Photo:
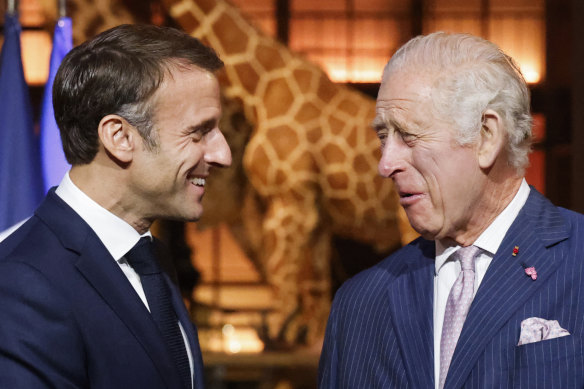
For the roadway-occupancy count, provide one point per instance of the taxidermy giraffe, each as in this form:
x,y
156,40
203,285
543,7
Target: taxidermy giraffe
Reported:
x,y
311,159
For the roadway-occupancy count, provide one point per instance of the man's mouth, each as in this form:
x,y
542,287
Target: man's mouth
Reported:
x,y
198,181
408,198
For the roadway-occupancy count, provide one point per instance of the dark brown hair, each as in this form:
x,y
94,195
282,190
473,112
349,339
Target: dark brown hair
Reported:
x,y
118,72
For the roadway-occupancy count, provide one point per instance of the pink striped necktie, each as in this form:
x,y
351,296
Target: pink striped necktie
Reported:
x,y
459,300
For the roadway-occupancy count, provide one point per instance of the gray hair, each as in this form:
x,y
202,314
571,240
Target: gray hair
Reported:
x,y
140,115
471,76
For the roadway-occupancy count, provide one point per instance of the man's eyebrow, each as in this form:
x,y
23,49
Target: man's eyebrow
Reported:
x,y
378,124
206,125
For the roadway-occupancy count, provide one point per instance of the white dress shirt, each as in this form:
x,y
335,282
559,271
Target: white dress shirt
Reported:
x,y
448,269
117,236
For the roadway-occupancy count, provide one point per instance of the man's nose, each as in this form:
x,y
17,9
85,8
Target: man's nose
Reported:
x,y
392,158
217,151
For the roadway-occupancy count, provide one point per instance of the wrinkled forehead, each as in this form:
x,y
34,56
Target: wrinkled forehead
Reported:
x,y
406,100
404,88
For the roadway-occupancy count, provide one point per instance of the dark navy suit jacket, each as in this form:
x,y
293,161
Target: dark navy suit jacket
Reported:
x,y
69,318
380,330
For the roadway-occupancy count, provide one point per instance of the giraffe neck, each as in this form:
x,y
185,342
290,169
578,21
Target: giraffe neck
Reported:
x,y
249,55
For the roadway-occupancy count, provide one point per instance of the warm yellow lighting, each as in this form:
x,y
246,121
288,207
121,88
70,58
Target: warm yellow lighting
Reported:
x,y
228,330
365,75
368,73
243,340
337,75
341,75
531,75
522,38
36,54
234,346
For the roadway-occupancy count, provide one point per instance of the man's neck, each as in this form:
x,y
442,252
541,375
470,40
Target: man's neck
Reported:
x,y
495,199
102,185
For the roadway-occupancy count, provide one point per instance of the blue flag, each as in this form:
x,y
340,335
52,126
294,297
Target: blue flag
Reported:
x,y
53,159
21,186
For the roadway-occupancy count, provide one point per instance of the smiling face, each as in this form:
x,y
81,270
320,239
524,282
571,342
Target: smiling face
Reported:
x,y
439,181
169,181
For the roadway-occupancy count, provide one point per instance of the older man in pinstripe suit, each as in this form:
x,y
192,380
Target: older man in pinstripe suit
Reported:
x,y
454,123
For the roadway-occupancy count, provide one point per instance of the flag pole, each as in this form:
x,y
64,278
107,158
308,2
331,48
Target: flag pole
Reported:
x,y
62,8
54,163
11,6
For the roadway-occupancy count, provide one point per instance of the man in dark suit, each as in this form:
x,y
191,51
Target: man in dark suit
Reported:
x,y
83,300
490,295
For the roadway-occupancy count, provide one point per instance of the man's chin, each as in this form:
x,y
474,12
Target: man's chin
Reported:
x,y
192,215
424,231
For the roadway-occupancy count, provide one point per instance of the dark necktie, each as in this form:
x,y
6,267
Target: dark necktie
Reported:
x,y
143,260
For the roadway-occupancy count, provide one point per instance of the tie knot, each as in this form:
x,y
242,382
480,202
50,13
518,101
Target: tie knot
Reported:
x,y
142,258
466,256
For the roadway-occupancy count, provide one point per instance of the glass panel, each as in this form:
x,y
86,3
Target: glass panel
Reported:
x,y
459,16
517,5
374,40
523,38
457,6
322,35
351,47
326,31
455,24
261,13
320,5
397,6
254,6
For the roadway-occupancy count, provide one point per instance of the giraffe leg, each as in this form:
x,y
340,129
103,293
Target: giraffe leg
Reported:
x,y
315,290
296,255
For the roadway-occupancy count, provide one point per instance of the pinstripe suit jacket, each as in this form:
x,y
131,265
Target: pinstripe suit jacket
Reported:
x,y
380,330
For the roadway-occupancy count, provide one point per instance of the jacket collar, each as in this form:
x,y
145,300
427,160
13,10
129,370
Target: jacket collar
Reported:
x,y
102,272
505,287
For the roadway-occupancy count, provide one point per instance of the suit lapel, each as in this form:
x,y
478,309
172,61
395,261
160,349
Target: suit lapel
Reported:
x,y
506,287
411,302
101,271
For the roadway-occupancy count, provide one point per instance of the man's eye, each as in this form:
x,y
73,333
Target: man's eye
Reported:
x,y
198,135
407,137
382,135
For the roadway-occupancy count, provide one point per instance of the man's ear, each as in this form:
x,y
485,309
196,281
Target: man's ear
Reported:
x,y
117,137
492,139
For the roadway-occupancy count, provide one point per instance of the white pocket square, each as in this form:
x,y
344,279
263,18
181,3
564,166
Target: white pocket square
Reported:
x,y
535,329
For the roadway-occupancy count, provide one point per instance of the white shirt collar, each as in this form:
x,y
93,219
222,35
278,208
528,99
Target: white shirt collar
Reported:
x,y
491,238
117,236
